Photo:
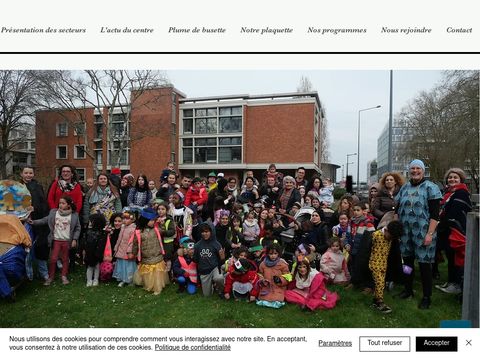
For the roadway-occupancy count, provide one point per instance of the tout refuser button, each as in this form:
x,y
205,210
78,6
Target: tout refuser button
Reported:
x,y
436,343
384,343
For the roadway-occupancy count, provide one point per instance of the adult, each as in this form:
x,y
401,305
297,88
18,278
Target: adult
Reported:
x,y
249,194
383,205
372,194
272,172
169,187
139,195
452,228
211,181
317,238
40,249
418,211
218,198
314,185
66,184
345,205
231,189
300,177
152,188
185,183
270,191
115,177
165,172
125,186
288,195
103,198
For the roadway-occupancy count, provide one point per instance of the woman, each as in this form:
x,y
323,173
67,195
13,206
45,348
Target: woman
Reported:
x,y
269,191
125,186
40,249
317,238
345,205
250,193
372,194
418,211
288,195
451,231
139,196
384,203
167,189
314,185
103,198
65,184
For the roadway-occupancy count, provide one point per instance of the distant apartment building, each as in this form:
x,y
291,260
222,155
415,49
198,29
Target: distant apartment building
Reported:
x,y
228,134
22,148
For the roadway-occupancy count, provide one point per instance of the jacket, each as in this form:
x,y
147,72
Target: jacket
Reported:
x,y
75,227
123,246
272,291
55,193
200,196
186,267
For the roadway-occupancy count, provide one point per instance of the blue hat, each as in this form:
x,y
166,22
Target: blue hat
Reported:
x,y
418,163
184,240
149,213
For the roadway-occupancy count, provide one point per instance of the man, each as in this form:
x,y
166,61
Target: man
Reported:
x,y
300,177
185,184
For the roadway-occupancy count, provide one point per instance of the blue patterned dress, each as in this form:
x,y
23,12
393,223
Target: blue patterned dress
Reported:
x,y
414,215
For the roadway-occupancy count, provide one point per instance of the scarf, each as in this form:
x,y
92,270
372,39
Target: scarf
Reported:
x,y
65,212
305,283
271,263
450,190
66,187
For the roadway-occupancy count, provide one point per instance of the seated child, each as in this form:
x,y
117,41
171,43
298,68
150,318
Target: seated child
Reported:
x,y
308,288
251,230
275,276
185,269
256,253
333,264
325,194
381,243
241,280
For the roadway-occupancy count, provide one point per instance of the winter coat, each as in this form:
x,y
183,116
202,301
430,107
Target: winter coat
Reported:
x,y
55,193
40,206
123,246
318,237
101,201
383,203
272,291
198,195
94,245
250,276
75,227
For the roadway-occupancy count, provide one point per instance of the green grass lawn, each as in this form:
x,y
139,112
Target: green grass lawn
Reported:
x,y
109,306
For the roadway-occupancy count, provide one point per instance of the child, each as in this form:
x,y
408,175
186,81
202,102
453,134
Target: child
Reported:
x,y
113,230
147,245
274,278
235,232
344,232
65,230
359,248
209,256
221,231
308,289
256,254
325,194
125,265
382,241
238,253
166,225
185,269
251,230
269,237
241,280
94,246
334,265
196,196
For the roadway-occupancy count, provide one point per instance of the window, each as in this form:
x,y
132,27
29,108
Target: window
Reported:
x,y
79,129
206,155
205,126
230,154
188,126
62,152
118,129
98,131
32,145
79,152
81,174
230,124
62,129
98,156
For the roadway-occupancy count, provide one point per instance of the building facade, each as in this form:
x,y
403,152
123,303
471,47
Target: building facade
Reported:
x,y
228,134
22,148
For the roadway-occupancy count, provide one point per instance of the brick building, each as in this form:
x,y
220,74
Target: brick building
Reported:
x,y
228,134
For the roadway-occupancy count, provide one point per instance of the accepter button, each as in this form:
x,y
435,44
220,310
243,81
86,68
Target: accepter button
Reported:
x,y
436,343
384,343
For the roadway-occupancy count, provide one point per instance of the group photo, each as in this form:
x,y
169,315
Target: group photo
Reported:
x,y
127,203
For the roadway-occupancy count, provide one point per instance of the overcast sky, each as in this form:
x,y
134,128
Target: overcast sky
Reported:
x,y
342,93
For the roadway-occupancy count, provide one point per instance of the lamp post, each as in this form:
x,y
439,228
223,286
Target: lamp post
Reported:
x,y
348,155
358,145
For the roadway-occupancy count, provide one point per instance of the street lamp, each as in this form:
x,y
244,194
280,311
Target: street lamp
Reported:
x,y
358,145
348,155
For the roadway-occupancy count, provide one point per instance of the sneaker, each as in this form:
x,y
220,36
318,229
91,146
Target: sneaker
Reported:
x,y
425,303
65,280
121,283
47,282
452,289
89,283
383,308
95,283
442,286
405,294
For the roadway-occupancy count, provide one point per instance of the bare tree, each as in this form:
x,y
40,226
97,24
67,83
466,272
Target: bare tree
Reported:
x,y
18,91
445,125
112,94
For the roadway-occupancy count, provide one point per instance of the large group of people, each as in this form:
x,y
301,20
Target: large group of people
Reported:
x,y
226,236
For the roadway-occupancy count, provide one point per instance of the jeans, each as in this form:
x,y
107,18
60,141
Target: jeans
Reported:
x,y
41,264
59,249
